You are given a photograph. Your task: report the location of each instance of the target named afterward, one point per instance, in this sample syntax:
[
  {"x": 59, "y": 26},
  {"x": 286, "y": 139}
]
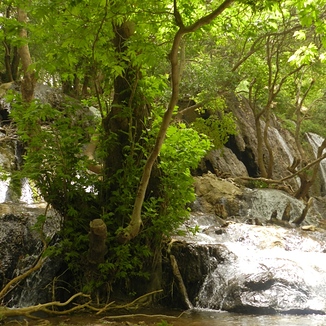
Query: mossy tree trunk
[
  {"x": 29, "y": 80},
  {"x": 133, "y": 228}
]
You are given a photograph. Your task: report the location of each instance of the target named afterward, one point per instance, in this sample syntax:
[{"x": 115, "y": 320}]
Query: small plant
[
  {"x": 164, "y": 323},
  {"x": 194, "y": 230},
  {"x": 257, "y": 184}
]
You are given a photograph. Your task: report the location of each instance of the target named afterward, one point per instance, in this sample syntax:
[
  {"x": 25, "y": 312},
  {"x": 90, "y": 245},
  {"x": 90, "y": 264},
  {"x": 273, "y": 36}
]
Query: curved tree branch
[{"x": 132, "y": 230}]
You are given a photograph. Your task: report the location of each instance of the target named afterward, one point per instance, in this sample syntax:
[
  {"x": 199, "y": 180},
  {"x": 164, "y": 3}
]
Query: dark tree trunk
[
  {"x": 125, "y": 122},
  {"x": 29, "y": 80}
]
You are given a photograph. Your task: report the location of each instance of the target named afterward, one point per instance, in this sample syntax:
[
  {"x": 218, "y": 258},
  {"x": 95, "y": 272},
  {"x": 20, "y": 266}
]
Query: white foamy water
[
  {"x": 6, "y": 193},
  {"x": 4, "y": 186},
  {"x": 268, "y": 267},
  {"x": 282, "y": 142},
  {"x": 315, "y": 142},
  {"x": 26, "y": 192}
]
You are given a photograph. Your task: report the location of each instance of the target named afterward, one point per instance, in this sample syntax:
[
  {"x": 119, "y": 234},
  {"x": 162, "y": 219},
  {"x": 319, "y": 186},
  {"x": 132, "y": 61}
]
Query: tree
[
  {"x": 111, "y": 62},
  {"x": 127, "y": 60}
]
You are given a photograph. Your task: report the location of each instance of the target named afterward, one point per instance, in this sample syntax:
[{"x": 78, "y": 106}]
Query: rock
[
  {"x": 216, "y": 196},
  {"x": 20, "y": 248},
  {"x": 254, "y": 269},
  {"x": 225, "y": 161},
  {"x": 308, "y": 228},
  {"x": 222, "y": 198}
]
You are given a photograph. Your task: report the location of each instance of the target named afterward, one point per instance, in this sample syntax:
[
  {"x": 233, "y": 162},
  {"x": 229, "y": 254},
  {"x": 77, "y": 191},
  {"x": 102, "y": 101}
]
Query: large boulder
[{"x": 21, "y": 246}]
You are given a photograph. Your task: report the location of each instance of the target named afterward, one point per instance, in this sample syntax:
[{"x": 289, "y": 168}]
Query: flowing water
[
  {"x": 315, "y": 142},
  {"x": 7, "y": 195},
  {"x": 274, "y": 132}
]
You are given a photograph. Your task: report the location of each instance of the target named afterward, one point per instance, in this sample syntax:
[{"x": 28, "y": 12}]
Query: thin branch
[
  {"x": 257, "y": 45},
  {"x": 192, "y": 107},
  {"x": 285, "y": 178}
]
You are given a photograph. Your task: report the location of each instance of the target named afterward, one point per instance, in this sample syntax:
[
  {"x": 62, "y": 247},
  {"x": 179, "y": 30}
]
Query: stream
[{"x": 196, "y": 317}]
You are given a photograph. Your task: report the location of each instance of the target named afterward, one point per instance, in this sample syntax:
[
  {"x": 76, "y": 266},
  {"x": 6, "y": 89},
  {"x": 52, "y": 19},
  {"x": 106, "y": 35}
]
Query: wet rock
[
  {"x": 255, "y": 269},
  {"x": 16, "y": 241},
  {"x": 21, "y": 245},
  {"x": 225, "y": 161},
  {"x": 196, "y": 261}
]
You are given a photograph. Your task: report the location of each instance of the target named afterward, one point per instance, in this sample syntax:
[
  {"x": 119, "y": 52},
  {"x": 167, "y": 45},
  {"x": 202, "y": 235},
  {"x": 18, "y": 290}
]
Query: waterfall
[
  {"x": 285, "y": 148},
  {"x": 253, "y": 268},
  {"x": 282, "y": 142},
  {"x": 315, "y": 142},
  {"x": 26, "y": 192},
  {"x": 8, "y": 195},
  {"x": 4, "y": 187}
]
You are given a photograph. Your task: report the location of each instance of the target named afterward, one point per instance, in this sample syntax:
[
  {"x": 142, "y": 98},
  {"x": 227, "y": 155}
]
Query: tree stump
[{"x": 97, "y": 241}]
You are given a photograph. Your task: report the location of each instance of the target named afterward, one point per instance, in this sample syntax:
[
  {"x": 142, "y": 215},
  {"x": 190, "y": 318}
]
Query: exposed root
[
  {"x": 303, "y": 215},
  {"x": 134, "y": 304},
  {"x": 142, "y": 315},
  {"x": 48, "y": 308},
  {"x": 28, "y": 311}
]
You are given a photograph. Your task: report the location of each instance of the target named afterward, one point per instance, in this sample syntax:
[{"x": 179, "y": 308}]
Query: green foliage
[
  {"x": 55, "y": 138},
  {"x": 316, "y": 123},
  {"x": 304, "y": 55},
  {"x": 253, "y": 48},
  {"x": 164, "y": 323},
  {"x": 182, "y": 151},
  {"x": 257, "y": 184},
  {"x": 219, "y": 125},
  {"x": 194, "y": 230},
  {"x": 287, "y": 123}
]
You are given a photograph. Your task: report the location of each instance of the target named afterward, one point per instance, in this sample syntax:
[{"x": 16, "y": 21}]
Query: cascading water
[
  {"x": 26, "y": 192},
  {"x": 258, "y": 268},
  {"x": 315, "y": 142},
  {"x": 4, "y": 187},
  {"x": 11, "y": 158},
  {"x": 275, "y": 133},
  {"x": 269, "y": 271},
  {"x": 286, "y": 149},
  {"x": 262, "y": 269}
]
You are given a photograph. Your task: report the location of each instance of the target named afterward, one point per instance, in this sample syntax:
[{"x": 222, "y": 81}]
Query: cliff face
[{"x": 239, "y": 157}]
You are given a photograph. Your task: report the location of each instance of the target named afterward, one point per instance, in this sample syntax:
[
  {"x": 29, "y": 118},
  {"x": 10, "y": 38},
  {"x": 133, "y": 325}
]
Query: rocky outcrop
[
  {"x": 239, "y": 157},
  {"x": 230, "y": 201},
  {"x": 21, "y": 246}
]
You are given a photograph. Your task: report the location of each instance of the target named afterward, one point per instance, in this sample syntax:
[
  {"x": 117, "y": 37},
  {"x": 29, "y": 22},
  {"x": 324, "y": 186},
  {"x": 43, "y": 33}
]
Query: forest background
[{"x": 122, "y": 170}]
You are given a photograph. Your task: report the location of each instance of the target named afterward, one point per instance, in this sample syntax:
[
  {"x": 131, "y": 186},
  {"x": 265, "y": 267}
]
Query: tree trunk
[
  {"x": 134, "y": 226},
  {"x": 260, "y": 150},
  {"x": 97, "y": 242},
  {"x": 28, "y": 83},
  {"x": 124, "y": 124}
]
